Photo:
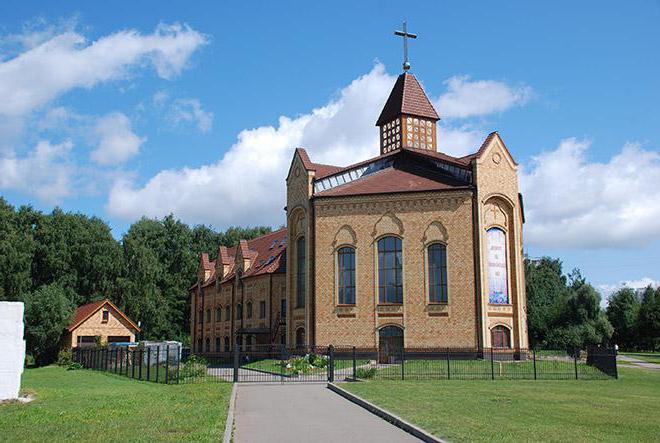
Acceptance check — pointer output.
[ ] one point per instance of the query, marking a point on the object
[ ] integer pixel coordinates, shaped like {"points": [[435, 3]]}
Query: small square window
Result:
{"points": [[106, 316]]}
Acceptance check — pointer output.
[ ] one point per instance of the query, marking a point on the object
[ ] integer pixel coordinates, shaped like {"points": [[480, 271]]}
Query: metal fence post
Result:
{"points": [[403, 363], [575, 354], [237, 351], [448, 366], [167, 364], [354, 365], [492, 365], [157, 361], [179, 354], [331, 364], [534, 357], [148, 364]]}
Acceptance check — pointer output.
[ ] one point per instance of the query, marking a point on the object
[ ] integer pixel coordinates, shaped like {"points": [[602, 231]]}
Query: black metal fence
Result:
{"points": [[274, 363], [160, 364]]}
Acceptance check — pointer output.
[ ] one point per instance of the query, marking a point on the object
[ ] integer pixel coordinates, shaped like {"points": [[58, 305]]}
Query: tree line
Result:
{"points": [[564, 311], [55, 262]]}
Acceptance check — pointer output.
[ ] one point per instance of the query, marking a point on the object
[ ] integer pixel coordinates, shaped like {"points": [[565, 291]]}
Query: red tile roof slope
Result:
{"points": [[83, 312], [407, 97], [402, 178], [259, 250]]}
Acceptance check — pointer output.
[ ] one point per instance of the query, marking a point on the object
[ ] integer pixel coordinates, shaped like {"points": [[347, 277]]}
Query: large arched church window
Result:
{"points": [[346, 276], [498, 282], [437, 271], [300, 273], [390, 279]]}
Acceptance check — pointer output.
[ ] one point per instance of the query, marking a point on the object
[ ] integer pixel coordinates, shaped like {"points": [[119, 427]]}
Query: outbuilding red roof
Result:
{"points": [[85, 311]]}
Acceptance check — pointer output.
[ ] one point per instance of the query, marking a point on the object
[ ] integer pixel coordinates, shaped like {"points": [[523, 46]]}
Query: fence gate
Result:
{"points": [[276, 363]]}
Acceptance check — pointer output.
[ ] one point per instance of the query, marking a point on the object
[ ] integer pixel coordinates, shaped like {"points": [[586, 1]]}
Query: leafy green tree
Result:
{"points": [[622, 312], [78, 253], [579, 319], [48, 311], [544, 284], [648, 323], [16, 251], [233, 234]]}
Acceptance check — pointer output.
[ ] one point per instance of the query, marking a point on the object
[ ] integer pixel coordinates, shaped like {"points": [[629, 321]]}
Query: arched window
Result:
{"points": [[208, 316], [390, 282], [249, 310], [218, 314], [217, 344], [500, 337], [226, 344], [300, 337], [300, 273], [498, 284], [239, 311], [208, 344], [228, 313], [437, 269], [346, 276], [199, 345]]}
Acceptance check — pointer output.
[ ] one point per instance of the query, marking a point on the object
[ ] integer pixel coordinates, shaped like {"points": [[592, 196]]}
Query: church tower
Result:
{"points": [[408, 119]]}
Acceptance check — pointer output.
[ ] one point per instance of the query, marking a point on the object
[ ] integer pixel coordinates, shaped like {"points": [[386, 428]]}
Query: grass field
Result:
{"points": [[86, 405], [627, 409], [649, 357]]}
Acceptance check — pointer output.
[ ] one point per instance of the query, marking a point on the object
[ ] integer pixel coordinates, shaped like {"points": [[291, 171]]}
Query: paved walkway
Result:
{"points": [[632, 362], [305, 413]]}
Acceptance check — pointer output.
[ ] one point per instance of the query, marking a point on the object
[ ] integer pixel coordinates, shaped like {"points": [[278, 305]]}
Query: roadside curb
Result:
{"points": [[386, 415], [229, 424]]}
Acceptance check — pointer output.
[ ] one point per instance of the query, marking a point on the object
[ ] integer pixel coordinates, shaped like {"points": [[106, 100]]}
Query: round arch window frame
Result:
{"points": [[337, 271], [377, 271], [427, 279]]}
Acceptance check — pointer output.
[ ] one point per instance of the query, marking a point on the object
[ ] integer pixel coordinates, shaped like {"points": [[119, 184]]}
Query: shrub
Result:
{"points": [[64, 357], [73, 366], [365, 372], [193, 367]]}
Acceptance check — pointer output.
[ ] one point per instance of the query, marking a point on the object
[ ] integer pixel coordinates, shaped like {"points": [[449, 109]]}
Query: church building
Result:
{"points": [[412, 247]]}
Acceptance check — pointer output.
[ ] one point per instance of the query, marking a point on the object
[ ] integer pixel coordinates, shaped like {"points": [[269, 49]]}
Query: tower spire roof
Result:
{"points": [[408, 98]]}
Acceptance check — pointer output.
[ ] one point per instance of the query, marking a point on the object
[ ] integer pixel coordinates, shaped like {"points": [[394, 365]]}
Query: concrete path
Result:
{"points": [[304, 413], [632, 362]]}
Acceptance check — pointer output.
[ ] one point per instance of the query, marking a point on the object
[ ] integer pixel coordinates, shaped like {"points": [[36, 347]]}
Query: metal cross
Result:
{"points": [[406, 35]]}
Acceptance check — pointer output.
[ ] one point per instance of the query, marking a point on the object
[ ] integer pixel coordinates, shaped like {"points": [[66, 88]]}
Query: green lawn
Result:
{"points": [[86, 405], [649, 357], [627, 409]]}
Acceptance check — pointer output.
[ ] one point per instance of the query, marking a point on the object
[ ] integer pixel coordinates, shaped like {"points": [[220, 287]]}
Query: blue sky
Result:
{"points": [[146, 108]]}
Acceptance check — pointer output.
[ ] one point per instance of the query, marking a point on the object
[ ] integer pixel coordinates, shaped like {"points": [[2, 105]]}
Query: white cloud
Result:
{"points": [[246, 186], [573, 203], [609, 289], [188, 110], [67, 61], [116, 140], [45, 172], [465, 98]]}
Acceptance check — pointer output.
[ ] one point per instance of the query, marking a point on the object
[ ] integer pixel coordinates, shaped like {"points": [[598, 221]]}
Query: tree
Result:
{"points": [[48, 311], [622, 312], [648, 323], [16, 251], [579, 320], [544, 284]]}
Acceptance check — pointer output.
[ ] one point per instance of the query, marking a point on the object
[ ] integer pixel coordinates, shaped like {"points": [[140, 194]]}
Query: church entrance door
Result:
{"points": [[390, 344]]}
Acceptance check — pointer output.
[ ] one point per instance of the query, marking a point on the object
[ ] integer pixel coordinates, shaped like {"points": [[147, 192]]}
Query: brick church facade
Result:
{"points": [[410, 248]]}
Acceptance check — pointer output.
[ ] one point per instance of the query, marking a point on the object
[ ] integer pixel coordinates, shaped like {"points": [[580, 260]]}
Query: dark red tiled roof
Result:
{"points": [[403, 176], [407, 97], [85, 311], [320, 169]]}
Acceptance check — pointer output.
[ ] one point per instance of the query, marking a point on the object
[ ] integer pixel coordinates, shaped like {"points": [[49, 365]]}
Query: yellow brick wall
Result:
{"points": [[419, 219]]}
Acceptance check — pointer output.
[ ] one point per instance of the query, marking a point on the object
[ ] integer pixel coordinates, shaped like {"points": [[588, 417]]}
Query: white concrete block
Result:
{"points": [[12, 349]]}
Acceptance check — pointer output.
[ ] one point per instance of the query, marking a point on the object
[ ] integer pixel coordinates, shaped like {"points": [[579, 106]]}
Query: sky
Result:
{"points": [[129, 109]]}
